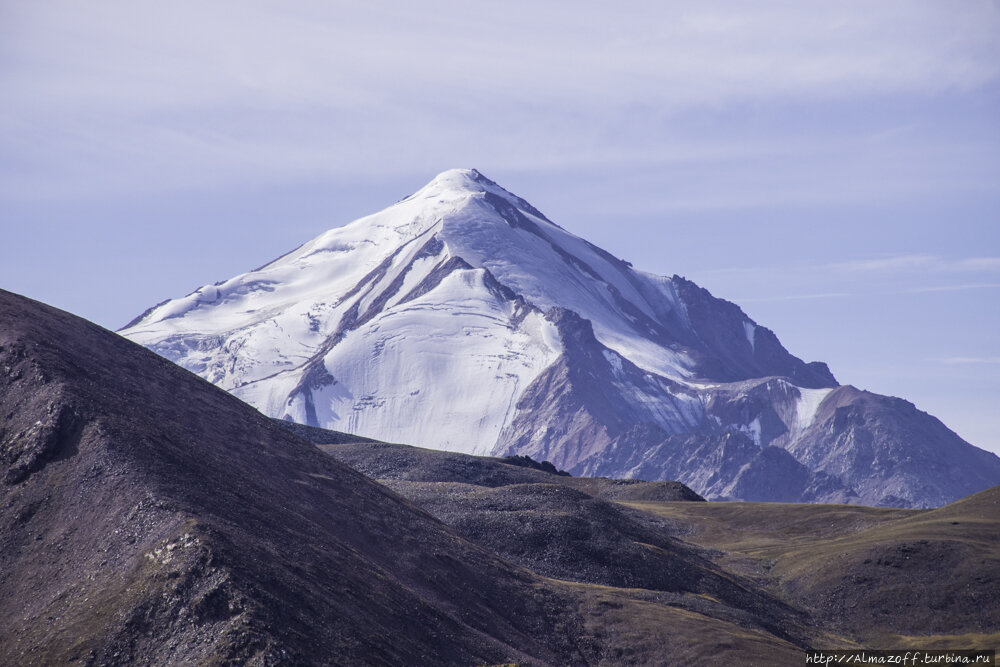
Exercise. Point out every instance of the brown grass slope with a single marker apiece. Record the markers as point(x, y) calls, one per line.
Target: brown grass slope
point(887, 577)
point(150, 518)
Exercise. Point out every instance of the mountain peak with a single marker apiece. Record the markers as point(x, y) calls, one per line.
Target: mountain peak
point(431, 322)
point(454, 185)
point(462, 174)
point(458, 181)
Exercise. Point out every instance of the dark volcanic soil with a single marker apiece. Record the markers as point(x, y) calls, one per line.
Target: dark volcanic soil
point(149, 517)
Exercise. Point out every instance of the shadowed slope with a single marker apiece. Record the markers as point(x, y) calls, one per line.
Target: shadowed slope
point(392, 462)
point(152, 517)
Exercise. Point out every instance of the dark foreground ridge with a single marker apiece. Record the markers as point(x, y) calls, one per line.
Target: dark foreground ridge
point(151, 518)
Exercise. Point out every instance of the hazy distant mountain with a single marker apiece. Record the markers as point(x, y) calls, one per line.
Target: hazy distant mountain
point(461, 318)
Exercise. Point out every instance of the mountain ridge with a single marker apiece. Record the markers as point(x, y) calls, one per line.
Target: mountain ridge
point(462, 318)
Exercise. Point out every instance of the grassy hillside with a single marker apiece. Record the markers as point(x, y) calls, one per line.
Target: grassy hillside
point(885, 577)
point(825, 576)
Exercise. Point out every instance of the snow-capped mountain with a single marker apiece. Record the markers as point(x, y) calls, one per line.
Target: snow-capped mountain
point(461, 318)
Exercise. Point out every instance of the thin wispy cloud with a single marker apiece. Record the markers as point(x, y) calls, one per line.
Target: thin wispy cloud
point(690, 52)
point(979, 264)
point(887, 264)
point(951, 288)
point(967, 360)
point(186, 94)
point(924, 263)
point(864, 293)
point(794, 297)
point(883, 277)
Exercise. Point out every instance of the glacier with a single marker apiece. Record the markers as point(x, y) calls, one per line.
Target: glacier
point(462, 318)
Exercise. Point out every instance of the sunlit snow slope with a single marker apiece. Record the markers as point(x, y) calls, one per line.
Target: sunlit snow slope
point(461, 318)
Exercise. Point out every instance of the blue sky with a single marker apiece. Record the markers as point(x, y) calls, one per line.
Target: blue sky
point(833, 168)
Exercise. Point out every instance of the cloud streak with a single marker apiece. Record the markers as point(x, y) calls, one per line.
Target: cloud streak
point(923, 263)
point(968, 360)
point(951, 288)
point(184, 94)
point(795, 297)
point(893, 276)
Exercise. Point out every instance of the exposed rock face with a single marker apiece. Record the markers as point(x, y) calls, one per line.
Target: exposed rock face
point(886, 449)
point(461, 318)
point(757, 353)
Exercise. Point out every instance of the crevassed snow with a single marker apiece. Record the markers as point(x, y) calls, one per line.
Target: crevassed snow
point(447, 368)
point(443, 370)
point(650, 399)
point(547, 272)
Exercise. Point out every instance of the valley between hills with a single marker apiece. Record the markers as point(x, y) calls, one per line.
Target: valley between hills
point(868, 576)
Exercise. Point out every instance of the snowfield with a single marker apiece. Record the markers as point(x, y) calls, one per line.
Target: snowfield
point(421, 323)
point(461, 318)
